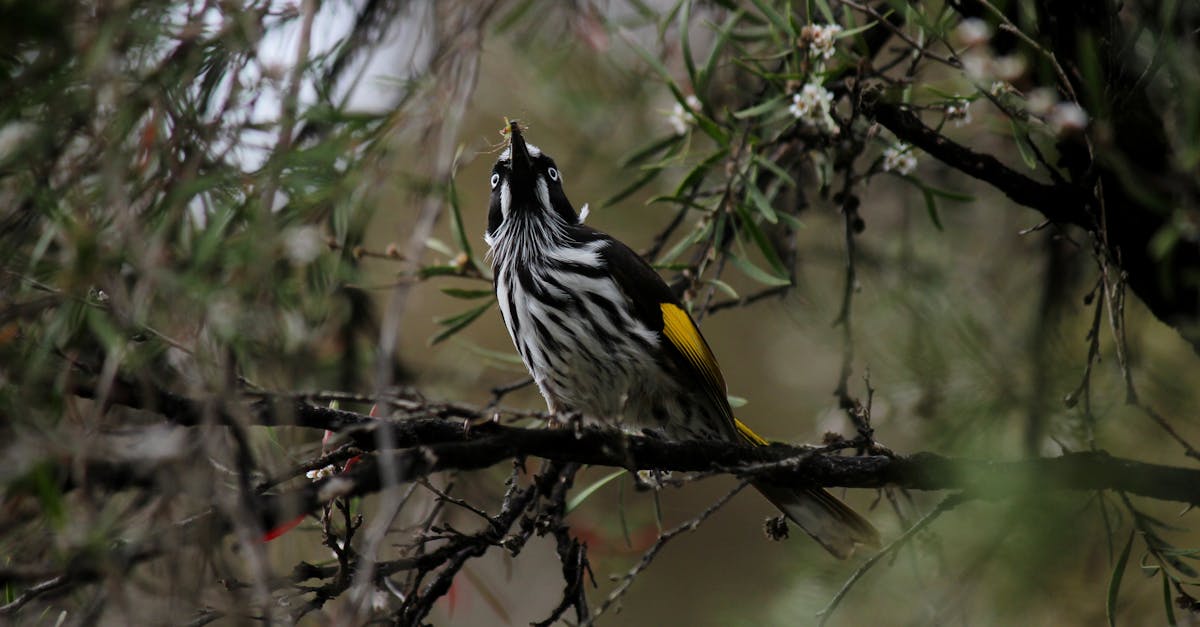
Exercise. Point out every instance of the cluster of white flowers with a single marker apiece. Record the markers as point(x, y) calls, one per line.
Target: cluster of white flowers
point(1062, 116)
point(899, 158)
point(820, 38)
point(959, 112)
point(973, 32)
point(812, 106)
point(321, 473)
point(681, 118)
point(979, 61)
point(980, 65)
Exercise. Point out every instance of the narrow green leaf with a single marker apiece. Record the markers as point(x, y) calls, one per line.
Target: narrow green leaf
point(621, 514)
point(503, 360)
point(682, 201)
point(761, 202)
point(456, 221)
point(465, 294)
point(1023, 146)
point(583, 494)
point(712, 129)
point(931, 195)
point(948, 194)
point(949, 95)
point(439, 270)
point(724, 287)
point(777, 20)
point(736, 401)
point(791, 221)
point(825, 11)
point(858, 29)
point(437, 245)
point(931, 208)
point(717, 47)
point(1178, 552)
point(697, 233)
point(685, 22)
point(762, 108)
point(700, 170)
point(749, 227)
point(458, 322)
point(1164, 241)
point(1168, 602)
point(631, 189)
point(649, 149)
point(49, 495)
point(1114, 583)
point(757, 273)
point(774, 168)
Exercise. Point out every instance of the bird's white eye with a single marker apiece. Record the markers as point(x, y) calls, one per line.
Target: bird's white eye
point(553, 174)
point(495, 180)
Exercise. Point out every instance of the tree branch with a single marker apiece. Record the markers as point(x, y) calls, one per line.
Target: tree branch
point(432, 437)
point(1061, 203)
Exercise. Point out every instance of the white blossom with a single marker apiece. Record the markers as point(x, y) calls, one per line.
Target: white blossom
point(959, 112)
point(223, 316)
point(999, 88)
point(302, 244)
point(1067, 117)
point(1041, 101)
point(821, 39)
point(977, 65)
point(899, 158)
point(812, 106)
point(973, 32)
point(681, 118)
point(1009, 67)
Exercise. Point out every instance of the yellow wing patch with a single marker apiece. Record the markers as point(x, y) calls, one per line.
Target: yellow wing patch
point(683, 334)
point(751, 436)
point(679, 328)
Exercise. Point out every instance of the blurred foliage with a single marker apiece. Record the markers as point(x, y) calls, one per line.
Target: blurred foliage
point(189, 201)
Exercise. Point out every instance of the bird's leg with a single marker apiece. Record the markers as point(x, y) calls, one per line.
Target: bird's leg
point(564, 419)
point(480, 421)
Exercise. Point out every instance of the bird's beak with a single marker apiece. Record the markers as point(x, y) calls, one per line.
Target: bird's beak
point(520, 162)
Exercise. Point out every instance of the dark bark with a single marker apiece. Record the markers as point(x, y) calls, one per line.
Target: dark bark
point(433, 437)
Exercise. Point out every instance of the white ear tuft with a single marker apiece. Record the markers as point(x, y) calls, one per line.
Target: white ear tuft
point(583, 213)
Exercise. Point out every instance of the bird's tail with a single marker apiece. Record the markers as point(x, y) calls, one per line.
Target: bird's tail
point(820, 514)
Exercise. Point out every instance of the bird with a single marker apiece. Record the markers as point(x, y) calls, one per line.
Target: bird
point(608, 342)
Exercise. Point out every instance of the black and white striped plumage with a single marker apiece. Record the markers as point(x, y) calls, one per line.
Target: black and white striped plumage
point(605, 338)
point(591, 351)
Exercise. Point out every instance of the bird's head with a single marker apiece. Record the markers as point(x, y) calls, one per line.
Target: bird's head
point(526, 186)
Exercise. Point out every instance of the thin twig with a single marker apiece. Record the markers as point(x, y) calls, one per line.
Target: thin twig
point(947, 504)
point(649, 555)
